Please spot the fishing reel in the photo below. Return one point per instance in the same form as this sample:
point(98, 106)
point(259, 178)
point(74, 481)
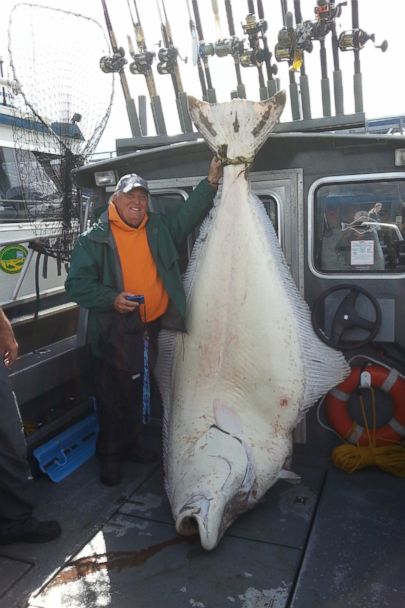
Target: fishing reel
point(325, 13)
point(206, 49)
point(253, 27)
point(328, 11)
point(303, 39)
point(167, 60)
point(286, 43)
point(113, 63)
point(252, 57)
point(142, 62)
point(229, 46)
point(254, 30)
point(291, 43)
point(354, 40)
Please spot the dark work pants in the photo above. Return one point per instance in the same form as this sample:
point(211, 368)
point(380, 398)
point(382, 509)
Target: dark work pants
point(119, 409)
point(16, 484)
point(119, 403)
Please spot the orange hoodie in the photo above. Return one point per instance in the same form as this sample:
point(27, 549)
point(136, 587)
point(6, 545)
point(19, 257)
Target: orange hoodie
point(138, 266)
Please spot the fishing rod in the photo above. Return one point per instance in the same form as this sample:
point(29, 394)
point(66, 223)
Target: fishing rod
point(337, 72)
point(224, 46)
point(355, 40)
point(304, 83)
point(168, 64)
point(115, 63)
point(196, 53)
point(254, 56)
point(142, 64)
point(320, 29)
point(326, 14)
point(285, 50)
point(210, 94)
point(273, 84)
point(236, 47)
point(357, 77)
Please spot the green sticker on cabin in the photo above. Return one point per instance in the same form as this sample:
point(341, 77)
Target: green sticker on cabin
point(12, 258)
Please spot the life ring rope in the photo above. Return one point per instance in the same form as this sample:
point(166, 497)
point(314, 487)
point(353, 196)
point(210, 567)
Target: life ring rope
point(387, 380)
point(369, 446)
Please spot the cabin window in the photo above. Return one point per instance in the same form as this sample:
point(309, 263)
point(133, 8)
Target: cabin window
point(16, 201)
point(359, 227)
point(270, 205)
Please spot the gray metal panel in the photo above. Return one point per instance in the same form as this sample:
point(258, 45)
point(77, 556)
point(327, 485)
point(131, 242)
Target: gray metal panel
point(355, 556)
point(40, 371)
point(281, 151)
point(11, 570)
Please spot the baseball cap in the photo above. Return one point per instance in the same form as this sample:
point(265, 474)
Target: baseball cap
point(131, 181)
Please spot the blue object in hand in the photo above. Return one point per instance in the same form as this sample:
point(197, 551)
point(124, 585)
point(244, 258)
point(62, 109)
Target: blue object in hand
point(139, 299)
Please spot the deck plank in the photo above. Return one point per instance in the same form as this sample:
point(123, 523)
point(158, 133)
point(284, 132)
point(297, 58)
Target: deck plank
point(356, 553)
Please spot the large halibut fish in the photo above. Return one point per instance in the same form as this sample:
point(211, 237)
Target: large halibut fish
point(235, 386)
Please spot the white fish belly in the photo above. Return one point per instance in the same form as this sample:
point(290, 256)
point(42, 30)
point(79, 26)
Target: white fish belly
point(241, 350)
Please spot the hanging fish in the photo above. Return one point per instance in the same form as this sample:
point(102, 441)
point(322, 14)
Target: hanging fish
point(236, 385)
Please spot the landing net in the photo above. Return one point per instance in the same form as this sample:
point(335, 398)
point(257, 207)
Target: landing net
point(59, 115)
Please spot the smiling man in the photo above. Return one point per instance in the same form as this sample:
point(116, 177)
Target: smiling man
point(131, 252)
point(131, 199)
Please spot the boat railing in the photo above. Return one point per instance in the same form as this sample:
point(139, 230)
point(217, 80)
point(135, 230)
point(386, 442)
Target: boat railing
point(102, 155)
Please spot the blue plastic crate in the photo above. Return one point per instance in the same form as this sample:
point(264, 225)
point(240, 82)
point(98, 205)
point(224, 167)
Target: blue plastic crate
point(64, 453)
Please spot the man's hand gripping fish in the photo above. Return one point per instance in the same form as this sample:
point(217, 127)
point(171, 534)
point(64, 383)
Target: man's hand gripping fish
point(236, 385)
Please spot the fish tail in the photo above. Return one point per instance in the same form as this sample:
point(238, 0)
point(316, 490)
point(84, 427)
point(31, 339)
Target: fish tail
point(235, 130)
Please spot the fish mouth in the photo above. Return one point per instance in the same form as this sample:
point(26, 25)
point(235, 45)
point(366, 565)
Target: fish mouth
point(194, 518)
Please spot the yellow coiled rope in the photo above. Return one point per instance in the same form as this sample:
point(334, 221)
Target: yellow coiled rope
point(390, 458)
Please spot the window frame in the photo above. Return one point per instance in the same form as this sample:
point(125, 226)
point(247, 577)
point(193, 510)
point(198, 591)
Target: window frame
point(342, 179)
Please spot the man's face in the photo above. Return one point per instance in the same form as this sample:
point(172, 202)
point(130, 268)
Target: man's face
point(132, 206)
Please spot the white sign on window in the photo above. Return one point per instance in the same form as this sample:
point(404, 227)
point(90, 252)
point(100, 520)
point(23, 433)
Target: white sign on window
point(362, 253)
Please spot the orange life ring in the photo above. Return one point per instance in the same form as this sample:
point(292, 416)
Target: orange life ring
point(387, 380)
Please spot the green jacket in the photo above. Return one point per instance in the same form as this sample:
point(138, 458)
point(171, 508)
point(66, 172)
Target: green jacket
point(95, 277)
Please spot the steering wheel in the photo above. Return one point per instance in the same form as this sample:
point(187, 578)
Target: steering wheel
point(346, 317)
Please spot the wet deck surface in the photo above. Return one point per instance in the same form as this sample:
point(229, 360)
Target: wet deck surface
point(317, 544)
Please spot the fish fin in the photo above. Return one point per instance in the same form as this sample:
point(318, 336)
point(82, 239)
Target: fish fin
point(324, 366)
point(226, 419)
point(236, 129)
point(289, 476)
